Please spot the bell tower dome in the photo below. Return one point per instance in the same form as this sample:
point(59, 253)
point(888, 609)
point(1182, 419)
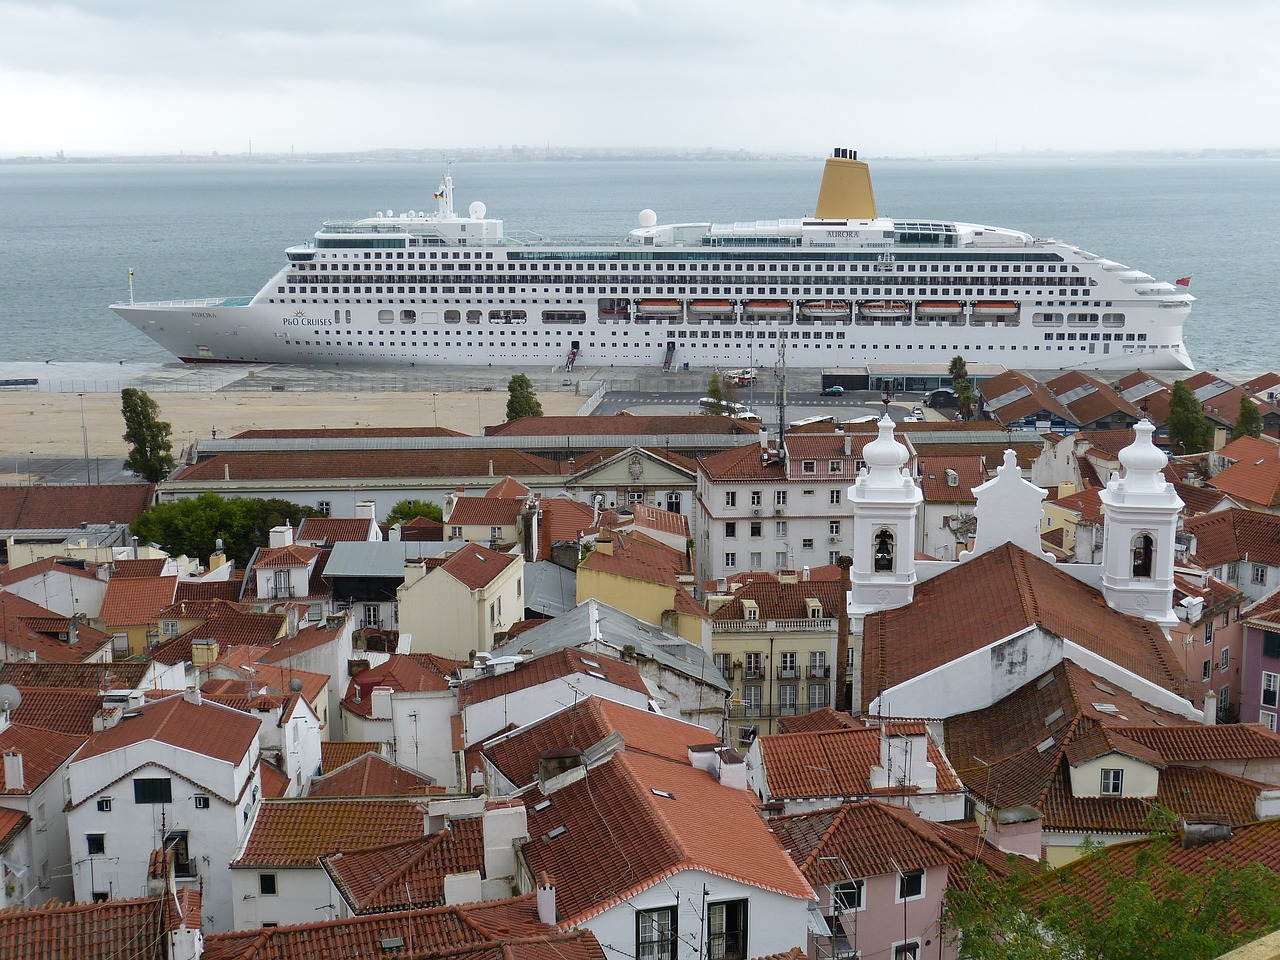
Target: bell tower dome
point(885, 501)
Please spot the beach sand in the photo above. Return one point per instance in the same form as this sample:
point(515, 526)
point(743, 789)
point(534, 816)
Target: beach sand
point(49, 424)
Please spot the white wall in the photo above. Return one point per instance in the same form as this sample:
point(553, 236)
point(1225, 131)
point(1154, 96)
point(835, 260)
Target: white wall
point(303, 895)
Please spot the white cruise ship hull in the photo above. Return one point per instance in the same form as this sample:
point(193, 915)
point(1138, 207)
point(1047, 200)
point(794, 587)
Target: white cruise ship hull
point(847, 288)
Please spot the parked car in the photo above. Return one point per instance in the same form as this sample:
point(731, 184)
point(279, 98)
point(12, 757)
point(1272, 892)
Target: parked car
point(917, 412)
point(833, 391)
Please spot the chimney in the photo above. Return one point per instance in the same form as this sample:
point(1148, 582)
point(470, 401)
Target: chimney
point(15, 781)
point(226, 471)
point(571, 465)
point(1210, 709)
point(73, 632)
point(764, 441)
point(546, 900)
point(192, 695)
point(365, 510)
point(281, 536)
point(381, 708)
point(804, 573)
point(848, 444)
point(491, 467)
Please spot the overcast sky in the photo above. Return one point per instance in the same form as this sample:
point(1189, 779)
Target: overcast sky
point(896, 78)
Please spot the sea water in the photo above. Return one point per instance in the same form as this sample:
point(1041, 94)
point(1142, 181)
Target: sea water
point(71, 232)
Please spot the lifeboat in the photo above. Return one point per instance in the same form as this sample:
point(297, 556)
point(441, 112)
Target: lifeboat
point(613, 308)
point(659, 308)
point(995, 307)
point(711, 306)
point(768, 308)
point(825, 309)
point(938, 308)
point(884, 308)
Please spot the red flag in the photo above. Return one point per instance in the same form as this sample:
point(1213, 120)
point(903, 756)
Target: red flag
point(1183, 281)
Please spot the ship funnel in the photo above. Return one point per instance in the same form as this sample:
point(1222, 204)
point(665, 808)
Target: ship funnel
point(846, 192)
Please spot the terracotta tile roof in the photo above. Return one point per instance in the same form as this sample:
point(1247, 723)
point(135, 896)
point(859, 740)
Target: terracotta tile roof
point(476, 566)
point(58, 507)
point(837, 762)
point(229, 589)
point(149, 567)
point(637, 557)
point(43, 752)
point(343, 433)
point(307, 638)
point(370, 776)
point(742, 463)
point(1251, 449)
point(1109, 443)
point(269, 676)
point(365, 464)
point(666, 521)
point(491, 930)
point(516, 754)
point(508, 487)
point(132, 929)
point(1225, 407)
point(1093, 742)
point(234, 627)
point(1262, 382)
point(201, 609)
point(619, 424)
point(275, 783)
point(1197, 499)
point(864, 839)
point(337, 753)
point(994, 596)
point(12, 822)
point(935, 483)
point(828, 718)
point(548, 669)
point(1251, 482)
point(1094, 400)
point(280, 558)
point(66, 711)
point(136, 601)
point(485, 511)
point(1263, 614)
point(563, 521)
point(784, 601)
point(29, 627)
point(40, 568)
point(120, 675)
point(403, 673)
point(1197, 742)
point(204, 728)
point(295, 833)
point(396, 876)
point(1035, 399)
point(331, 530)
point(1231, 535)
point(596, 865)
point(1086, 504)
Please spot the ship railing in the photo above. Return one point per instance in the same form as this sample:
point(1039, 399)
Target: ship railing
point(201, 302)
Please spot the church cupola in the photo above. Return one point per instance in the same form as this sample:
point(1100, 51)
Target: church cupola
point(885, 501)
point(1141, 511)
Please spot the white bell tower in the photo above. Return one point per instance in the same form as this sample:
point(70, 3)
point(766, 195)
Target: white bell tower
point(1140, 522)
point(885, 501)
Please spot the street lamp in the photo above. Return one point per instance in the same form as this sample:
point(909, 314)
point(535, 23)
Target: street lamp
point(435, 412)
point(85, 434)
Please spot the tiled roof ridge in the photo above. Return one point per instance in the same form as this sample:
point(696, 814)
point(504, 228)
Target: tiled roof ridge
point(1060, 756)
point(428, 844)
point(1026, 588)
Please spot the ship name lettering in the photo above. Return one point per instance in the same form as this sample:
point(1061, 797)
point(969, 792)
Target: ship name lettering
point(848, 234)
point(306, 322)
point(198, 315)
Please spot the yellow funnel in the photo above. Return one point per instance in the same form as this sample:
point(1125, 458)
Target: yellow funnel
point(846, 192)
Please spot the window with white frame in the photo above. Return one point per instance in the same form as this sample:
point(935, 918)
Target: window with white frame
point(1208, 631)
point(1112, 783)
point(727, 930)
point(780, 528)
point(847, 894)
point(780, 559)
point(730, 560)
point(752, 661)
point(833, 527)
point(1206, 670)
point(756, 498)
point(836, 497)
point(1259, 574)
point(1270, 689)
point(656, 934)
point(730, 498)
point(1225, 660)
point(1268, 719)
point(780, 498)
point(730, 529)
point(907, 951)
point(910, 885)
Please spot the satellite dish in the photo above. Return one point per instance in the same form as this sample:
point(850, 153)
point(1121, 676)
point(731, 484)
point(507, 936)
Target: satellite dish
point(295, 685)
point(648, 218)
point(477, 210)
point(10, 697)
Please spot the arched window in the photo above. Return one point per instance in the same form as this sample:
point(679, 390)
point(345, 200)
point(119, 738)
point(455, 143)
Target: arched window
point(1144, 549)
point(883, 551)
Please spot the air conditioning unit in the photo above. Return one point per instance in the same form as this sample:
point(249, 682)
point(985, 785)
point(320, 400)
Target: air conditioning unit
point(778, 511)
point(755, 512)
point(833, 539)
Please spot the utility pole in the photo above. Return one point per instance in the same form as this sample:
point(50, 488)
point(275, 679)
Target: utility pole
point(88, 479)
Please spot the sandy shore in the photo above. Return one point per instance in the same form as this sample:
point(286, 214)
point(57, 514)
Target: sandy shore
point(49, 424)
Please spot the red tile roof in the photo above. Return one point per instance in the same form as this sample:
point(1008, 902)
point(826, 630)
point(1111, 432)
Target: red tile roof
point(229, 589)
point(295, 833)
point(554, 666)
point(485, 511)
point(396, 876)
point(508, 487)
point(1251, 482)
point(12, 823)
point(677, 818)
point(337, 753)
point(136, 601)
point(784, 601)
point(403, 673)
point(828, 718)
point(742, 463)
point(43, 752)
point(665, 521)
point(994, 596)
point(280, 558)
point(1199, 743)
point(205, 728)
point(637, 557)
point(1198, 499)
point(476, 566)
point(1231, 535)
point(28, 627)
point(331, 530)
point(935, 483)
point(120, 675)
point(1250, 448)
point(111, 930)
point(149, 567)
point(516, 754)
point(837, 762)
point(275, 783)
point(492, 930)
point(40, 568)
point(365, 464)
point(1086, 504)
point(58, 507)
point(619, 424)
point(370, 776)
point(343, 433)
point(563, 521)
point(66, 711)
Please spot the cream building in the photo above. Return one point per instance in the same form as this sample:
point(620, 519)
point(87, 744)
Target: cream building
point(464, 604)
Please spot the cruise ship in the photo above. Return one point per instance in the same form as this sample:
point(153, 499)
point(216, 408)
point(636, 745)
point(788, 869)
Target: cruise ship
point(845, 287)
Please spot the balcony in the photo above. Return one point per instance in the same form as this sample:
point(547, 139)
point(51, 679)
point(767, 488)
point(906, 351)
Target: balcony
point(767, 711)
point(788, 673)
point(796, 625)
point(819, 673)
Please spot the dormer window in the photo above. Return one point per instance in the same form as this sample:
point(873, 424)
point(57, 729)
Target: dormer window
point(750, 610)
point(883, 551)
point(814, 608)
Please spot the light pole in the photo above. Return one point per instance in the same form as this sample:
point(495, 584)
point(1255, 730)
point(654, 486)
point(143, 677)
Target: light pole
point(85, 434)
point(435, 411)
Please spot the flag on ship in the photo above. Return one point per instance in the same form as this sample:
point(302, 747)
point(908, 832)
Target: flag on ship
point(1183, 281)
point(440, 196)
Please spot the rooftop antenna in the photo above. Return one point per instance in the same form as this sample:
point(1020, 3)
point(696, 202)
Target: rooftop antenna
point(780, 394)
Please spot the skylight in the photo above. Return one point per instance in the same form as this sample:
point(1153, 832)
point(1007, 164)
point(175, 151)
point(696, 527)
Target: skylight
point(1105, 707)
point(541, 805)
point(1103, 687)
point(662, 793)
point(1054, 717)
point(590, 663)
point(1044, 744)
point(555, 832)
point(1044, 681)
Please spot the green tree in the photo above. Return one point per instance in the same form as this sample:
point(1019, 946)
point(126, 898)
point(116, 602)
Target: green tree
point(965, 397)
point(1248, 420)
point(1189, 429)
point(522, 400)
point(193, 526)
point(406, 510)
point(715, 393)
point(1130, 901)
point(150, 449)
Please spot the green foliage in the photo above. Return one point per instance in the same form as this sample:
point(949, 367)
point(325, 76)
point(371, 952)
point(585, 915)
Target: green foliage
point(407, 510)
point(1152, 908)
point(715, 392)
point(522, 400)
point(1248, 420)
point(1189, 429)
point(150, 449)
point(957, 369)
point(965, 397)
point(192, 526)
